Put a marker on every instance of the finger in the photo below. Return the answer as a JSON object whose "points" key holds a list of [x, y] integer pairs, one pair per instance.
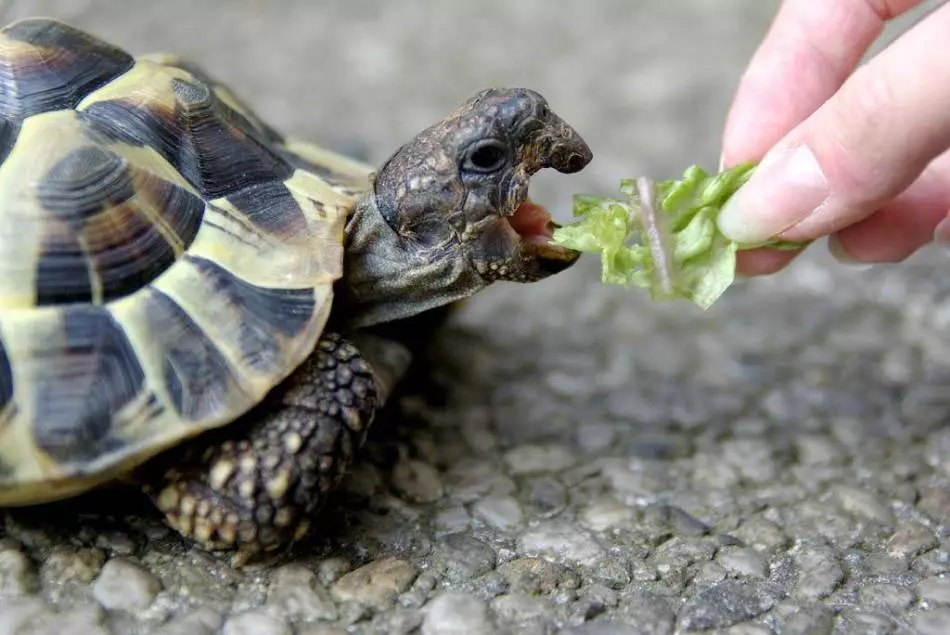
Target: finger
{"points": [[808, 53], [902, 226], [861, 148], [763, 262]]}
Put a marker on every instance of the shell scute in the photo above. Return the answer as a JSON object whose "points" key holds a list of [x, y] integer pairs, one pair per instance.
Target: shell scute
{"points": [[86, 383], [45, 65]]}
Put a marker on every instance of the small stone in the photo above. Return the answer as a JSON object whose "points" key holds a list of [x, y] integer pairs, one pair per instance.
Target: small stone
{"points": [[125, 586], [606, 514], [612, 573], [711, 573], [85, 619], [17, 576], [116, 542], [817, 450], [451, 520], [417, 481], [200, 621], [651, 613], [932, 622], [819, 573], [808, 620], [749, 629], [935, 501], [466, 557], [534, 575], [934, 590], [725, 604], [322, 629], [17, 612], [470, 480], [375, 584], [538, 459], [332, 569], [66, 565], [761, 534], [561, 540], [887, 596], [548, 497], [609, 627], [295, 595], [517, 607], [255, 623], [911, 539], [863, 503], [594, 437], [744, 562], [457, 614], [501, 512]]}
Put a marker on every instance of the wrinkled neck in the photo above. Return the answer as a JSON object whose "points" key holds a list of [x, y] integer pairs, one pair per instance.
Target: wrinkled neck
{"points": [[386, 278]]}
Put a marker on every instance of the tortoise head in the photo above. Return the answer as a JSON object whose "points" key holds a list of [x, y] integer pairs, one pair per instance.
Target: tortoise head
{"points": [[449, 212]]}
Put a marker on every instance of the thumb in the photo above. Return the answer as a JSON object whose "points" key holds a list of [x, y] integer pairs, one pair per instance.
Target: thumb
{"points": [[861, 148]]}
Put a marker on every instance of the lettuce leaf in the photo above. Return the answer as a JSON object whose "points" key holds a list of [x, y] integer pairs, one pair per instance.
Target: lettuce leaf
{"points": [[663, 236]]}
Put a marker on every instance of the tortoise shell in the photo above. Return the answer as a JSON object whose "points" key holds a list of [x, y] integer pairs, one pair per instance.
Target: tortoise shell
{"points": [[166, 258]]}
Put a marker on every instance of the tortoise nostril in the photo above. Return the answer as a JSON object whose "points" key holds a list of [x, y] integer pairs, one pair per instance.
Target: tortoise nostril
{"points": [[576, 163]]}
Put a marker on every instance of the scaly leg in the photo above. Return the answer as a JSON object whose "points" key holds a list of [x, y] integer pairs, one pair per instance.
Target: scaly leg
{"points": [[252, 486]]}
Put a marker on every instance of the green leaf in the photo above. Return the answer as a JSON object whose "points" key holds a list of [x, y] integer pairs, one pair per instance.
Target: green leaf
{"points": [[663, 236]]}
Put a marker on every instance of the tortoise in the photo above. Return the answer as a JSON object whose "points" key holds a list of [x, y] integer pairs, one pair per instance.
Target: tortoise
{"points": [[179, 279]]}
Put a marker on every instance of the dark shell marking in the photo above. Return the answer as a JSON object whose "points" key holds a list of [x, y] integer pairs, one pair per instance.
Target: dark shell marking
{"points": [[164, 263], [84, 384]]}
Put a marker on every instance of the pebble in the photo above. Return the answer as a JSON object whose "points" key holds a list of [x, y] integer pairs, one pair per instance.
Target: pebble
{"points": [[17, 575], [535, 576], [255, 623], [295, 595], [470, 480], [416, 481], [606, 514], [457, 614], [743, 562], [17, 612], [594, 437], [66, 565], [561, 540], [934, 590], [451, 520], [864, 504], [911, 539], [125, 586], [375, 584], [761, 534], [332, 569], [518, 607], [200, 621], [725, 604], [538, 459], [85, 619], [500, 512], [935, 501], [932, 622], [649, 611], [819, 573], [465, 557], [813, 619], [887, 596], [548, 496]]}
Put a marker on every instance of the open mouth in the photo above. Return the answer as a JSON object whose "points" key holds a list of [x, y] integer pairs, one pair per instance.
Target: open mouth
{"points": [[535, 229]]}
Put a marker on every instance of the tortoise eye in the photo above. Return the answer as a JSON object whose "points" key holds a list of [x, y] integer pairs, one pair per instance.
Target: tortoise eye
{"points": [[487, 156]]}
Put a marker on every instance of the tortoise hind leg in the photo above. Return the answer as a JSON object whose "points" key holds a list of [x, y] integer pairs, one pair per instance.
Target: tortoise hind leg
{"points": [[253, 486]]}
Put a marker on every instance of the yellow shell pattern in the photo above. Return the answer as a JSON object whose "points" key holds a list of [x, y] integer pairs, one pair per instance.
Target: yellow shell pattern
{"points": [[165, 257]]}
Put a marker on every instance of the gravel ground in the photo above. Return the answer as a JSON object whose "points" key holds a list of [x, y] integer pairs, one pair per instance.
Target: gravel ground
{"points": [[579, 460]]}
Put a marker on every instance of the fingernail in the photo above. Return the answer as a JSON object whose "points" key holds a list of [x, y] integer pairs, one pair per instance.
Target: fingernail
{"points": [[722, 163], [787, 186], [838, 252]]}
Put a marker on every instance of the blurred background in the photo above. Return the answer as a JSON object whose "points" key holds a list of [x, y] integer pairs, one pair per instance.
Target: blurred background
{"points": [[802, 411]]}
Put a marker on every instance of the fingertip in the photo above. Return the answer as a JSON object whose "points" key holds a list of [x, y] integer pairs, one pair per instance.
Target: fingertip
{"points": [[763, 262]]}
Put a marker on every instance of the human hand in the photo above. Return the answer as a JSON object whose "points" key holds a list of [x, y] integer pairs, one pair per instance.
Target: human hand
{"points": [[859, 155]]}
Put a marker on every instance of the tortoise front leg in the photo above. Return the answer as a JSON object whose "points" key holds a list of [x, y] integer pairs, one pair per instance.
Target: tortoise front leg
{"points": [[253, 485]]}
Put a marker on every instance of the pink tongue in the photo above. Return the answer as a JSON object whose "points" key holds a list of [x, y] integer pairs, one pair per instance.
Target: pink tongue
{"points": [[531, 219]]}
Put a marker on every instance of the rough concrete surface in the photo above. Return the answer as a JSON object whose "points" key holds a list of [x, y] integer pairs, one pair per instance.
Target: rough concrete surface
{"points": [[578, 460]]}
